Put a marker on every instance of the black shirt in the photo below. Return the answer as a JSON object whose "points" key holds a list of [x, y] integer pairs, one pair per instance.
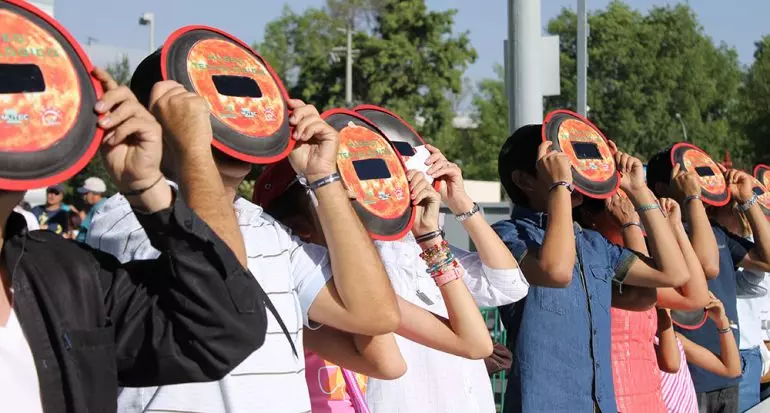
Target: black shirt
{"points": [[192, 314]]}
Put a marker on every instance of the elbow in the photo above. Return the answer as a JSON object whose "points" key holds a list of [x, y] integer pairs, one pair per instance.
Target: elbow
{"points": [[669, 367], [383, 322], [711, 270], [734, 372], [480, 349], [678, 278], [392, 370], [559, 276]]}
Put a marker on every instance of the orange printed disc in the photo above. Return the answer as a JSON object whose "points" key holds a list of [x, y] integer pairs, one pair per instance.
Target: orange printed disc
{"points": [[593, 167], [714, 189], [48, 127], [375, 173], [761, 180]]}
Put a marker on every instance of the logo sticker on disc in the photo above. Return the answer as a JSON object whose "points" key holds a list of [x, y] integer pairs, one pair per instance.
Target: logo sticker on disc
{"points": [[714, 189], [689, 320], [371, 168], [593, 166], [401, 134], [48, 129], [761, 180], [249, 114]]}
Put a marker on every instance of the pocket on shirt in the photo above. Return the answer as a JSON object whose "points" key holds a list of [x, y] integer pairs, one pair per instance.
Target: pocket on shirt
{"points": [[556, 300], [601, 276], [94, 357]]}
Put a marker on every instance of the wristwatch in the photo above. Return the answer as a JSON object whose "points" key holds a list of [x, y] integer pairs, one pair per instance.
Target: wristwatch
{"points": [[472, 212]]}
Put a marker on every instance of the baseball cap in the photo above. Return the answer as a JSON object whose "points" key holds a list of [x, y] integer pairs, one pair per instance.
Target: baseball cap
{"points": [[274, 180], [93, 184], [58, 188]]}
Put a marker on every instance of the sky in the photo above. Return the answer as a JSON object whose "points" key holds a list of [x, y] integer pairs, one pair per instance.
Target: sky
{"points": [[114, 23]]}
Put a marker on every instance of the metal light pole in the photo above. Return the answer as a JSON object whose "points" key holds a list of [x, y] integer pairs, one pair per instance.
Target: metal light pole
{"points": [[582, 59], [349, 52], [684, 128], [524, 42], [148, 19]]}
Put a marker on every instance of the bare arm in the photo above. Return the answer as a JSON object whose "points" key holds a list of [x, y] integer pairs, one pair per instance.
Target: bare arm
{"points": [[758, 258], [667, 350], [553, 264], [728, 362], [694, 293], [377, 357]]}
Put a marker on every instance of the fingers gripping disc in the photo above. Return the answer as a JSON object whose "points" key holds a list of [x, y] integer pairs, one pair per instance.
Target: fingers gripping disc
{"points": [[48, 128], [375, 173], [714, 189], [249, 113], [594, 173], [762, 179], [401, 134], [689, 320]]}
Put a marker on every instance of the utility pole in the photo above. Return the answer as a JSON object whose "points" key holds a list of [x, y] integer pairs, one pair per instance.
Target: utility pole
{"points": [[524, 43], [349, 53], [148, 19], [582, 59], [90, 40], [684, 128]]}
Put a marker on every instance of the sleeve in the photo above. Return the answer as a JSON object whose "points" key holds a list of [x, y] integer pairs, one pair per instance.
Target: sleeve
{"points": [[738, 247], [190, 315], [748, 284], [520, 244], [620, 259], [310, 271], [114, 229], [491, 287]]}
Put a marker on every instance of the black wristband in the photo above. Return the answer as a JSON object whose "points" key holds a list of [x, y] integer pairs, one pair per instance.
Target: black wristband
{"points": [[429, 236], [138, 192]]}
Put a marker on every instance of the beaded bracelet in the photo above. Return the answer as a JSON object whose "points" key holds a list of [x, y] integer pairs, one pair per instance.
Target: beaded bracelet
{"points": [[434, 251]]}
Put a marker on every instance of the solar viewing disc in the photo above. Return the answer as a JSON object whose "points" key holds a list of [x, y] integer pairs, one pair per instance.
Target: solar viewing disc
{"points": [[48, 127], [689, 320], [249, 114], [761, 180], [594, 173], [714, 189], [371, 168]]}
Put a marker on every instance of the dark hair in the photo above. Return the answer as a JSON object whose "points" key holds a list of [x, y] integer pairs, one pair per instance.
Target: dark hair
{"points": [[519, 152], [659, 169], [146, 75], [293, 202]]}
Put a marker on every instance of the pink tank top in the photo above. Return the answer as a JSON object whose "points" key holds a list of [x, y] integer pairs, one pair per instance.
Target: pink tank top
{"points": [[635, 369], [678, 389], [327, 384]]}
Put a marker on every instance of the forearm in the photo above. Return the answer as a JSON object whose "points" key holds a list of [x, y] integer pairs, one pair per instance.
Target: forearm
{"points": [[633, 238], [491, 249], [203, 190], [702, 238], [761, 231], [696, 288], [359, 275], [728, 349], [667, 351], [661, 240], [377, 356], [557, 255]]}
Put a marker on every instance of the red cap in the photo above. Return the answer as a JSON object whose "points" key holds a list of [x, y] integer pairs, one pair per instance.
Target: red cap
{"points": [[274, 180]]}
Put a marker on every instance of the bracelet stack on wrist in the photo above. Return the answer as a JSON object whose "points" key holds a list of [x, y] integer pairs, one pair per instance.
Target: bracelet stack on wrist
{"points": [[748, 204], [442, 265]]}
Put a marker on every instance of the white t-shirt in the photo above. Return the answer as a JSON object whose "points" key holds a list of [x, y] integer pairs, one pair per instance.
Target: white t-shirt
{"points": [[435, 381], [32, 223], [270, 380], [19, 387], [752, 304]]}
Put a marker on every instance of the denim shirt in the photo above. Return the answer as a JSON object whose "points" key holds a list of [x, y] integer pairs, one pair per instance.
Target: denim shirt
{"points": [[560, 337]]}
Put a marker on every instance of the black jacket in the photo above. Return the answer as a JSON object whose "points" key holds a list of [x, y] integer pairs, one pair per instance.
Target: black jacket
{"points": [[92, 324]]}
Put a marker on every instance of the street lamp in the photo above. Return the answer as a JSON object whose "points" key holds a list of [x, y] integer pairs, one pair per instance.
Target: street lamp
{"points": [[148, 19], [684, 128], [349, 53]]}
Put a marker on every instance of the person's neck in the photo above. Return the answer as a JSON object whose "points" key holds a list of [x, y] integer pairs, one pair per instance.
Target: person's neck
{"points": [[53, 207]]}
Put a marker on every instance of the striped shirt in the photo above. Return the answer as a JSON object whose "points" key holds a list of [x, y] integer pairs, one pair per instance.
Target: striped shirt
{"points": [[272, 379], [678, 389]]}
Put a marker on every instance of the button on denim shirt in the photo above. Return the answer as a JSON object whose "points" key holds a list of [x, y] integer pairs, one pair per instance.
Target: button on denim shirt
{"points": [[560, 337]]}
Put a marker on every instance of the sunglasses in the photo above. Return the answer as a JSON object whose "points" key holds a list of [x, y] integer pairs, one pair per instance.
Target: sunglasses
{"points": [[53, 192]]}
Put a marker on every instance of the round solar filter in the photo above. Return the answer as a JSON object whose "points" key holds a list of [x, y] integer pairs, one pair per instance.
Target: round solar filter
{"points": [[714, 189], [689, 320], [371, 168], [48, 127], [594, 173], [249, 113], [760, 188], [401, 134]]}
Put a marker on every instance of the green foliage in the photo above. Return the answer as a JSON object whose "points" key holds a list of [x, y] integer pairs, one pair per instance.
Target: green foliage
{"points": [[409, 59], [644, 69], [755, 102], [120, 70]]}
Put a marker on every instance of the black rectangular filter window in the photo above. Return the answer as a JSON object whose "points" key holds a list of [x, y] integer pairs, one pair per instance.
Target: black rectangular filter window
{"points": [[368, 169], [20, 78], [404, 148], [586, 150], [758, 191], [237, 86], [704, 170]]}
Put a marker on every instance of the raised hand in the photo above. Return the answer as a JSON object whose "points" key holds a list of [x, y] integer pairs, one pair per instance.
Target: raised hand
{"points": [[716, 311], [315, 155], [631, 173], [671, 210], [133, 142], [185, 118], [684, 184], [552, 166], [740, 183], [427, 202], [450, 178], [621, 209]]}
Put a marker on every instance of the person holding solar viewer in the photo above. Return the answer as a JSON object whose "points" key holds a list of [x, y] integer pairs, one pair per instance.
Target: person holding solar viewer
{"points": [[717, 392], [76, 322], [560, 334]]}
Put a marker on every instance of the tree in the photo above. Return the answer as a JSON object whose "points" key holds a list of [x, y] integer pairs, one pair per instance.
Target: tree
{"points": [[754, 115], [409, 60], [120, 70], [644, 69]]}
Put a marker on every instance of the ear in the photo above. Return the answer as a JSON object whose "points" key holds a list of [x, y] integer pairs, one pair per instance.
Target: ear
{"points": [[523, 180]]}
